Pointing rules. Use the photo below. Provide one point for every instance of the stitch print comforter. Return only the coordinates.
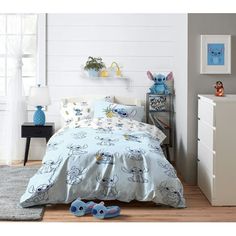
(106, 159)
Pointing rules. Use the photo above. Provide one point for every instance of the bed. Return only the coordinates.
(110, 157)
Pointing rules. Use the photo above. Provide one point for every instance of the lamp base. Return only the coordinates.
(39, 117)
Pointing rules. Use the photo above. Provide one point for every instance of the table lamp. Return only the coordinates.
(39, 97)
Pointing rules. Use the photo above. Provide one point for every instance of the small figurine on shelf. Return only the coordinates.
(219, 89)
(159, 86)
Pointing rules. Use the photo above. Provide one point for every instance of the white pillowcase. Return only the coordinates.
(76, 111)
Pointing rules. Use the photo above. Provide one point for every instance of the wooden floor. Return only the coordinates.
(198, 210)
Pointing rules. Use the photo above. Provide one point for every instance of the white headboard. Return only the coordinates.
(117, 99)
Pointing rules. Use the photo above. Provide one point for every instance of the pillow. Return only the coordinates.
(75, 111)
(108, 109)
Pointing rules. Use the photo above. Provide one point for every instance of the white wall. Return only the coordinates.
(138, 42)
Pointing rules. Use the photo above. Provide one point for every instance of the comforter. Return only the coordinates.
(106, 159)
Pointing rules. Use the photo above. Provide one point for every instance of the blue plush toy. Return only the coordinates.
(159, 86)
(101, 212)
(80, 208)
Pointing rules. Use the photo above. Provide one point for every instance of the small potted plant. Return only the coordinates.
(94, 65)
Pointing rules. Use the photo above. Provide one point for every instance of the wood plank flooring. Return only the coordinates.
(198, 210)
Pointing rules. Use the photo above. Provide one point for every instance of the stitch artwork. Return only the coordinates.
(147, 135)
(215, 54)
(170, 195)
(120, 112)
(168, 169)
(129, 137)
(40, 193)
(76, 150)
(49, 166)
(101, 130)
(135, 154)
(119, 125)
(53, 146)
(78, 112)
(79, 135)
(106, 141)
(108, 185)
(155, 149)
(74, 175)
(114, 111)
(136, 174)
(105, 158)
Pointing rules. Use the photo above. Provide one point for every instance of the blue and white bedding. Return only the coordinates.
(106, 159)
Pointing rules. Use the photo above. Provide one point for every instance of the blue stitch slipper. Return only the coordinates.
(101, 212)
(80, 208)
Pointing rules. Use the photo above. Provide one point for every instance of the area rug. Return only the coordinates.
(13, 182)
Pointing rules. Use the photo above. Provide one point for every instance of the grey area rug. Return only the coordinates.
(13, 183)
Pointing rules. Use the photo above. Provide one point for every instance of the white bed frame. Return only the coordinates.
(91, 98)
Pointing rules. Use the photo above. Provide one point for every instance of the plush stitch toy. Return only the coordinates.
(80, 208)
(159, 86)
(101, 212)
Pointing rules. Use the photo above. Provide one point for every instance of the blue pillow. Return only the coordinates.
(109, 110)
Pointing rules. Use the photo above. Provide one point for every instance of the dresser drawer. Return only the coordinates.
(206, 134)
(206, 157)
(36, 131)
(206, 112)
(206, 181)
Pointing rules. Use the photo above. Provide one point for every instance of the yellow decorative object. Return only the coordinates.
(104, 73)
(115, 66)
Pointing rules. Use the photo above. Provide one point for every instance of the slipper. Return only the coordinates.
(101, 212)
(80, 208)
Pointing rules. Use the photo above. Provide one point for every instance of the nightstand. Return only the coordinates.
(160, 113)
(29, 130)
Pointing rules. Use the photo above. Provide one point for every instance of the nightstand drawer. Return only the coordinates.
(36, 131)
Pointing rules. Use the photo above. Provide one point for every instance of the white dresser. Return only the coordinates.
(217, 148)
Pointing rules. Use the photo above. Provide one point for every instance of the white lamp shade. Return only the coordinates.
(39, 96)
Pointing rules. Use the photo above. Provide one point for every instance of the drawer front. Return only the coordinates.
(206, 134)
(206, 157)
(206, 181)
(36, 131)
(206, 112)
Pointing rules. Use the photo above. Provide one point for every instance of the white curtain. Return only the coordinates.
(16, 102)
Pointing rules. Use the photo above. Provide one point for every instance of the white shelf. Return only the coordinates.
(109, 77)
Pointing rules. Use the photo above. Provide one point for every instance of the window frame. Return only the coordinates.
(40, 56)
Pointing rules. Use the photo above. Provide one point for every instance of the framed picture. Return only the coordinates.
(215, 54)
(158, 102)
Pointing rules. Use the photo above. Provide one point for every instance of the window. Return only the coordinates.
(12, 25)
